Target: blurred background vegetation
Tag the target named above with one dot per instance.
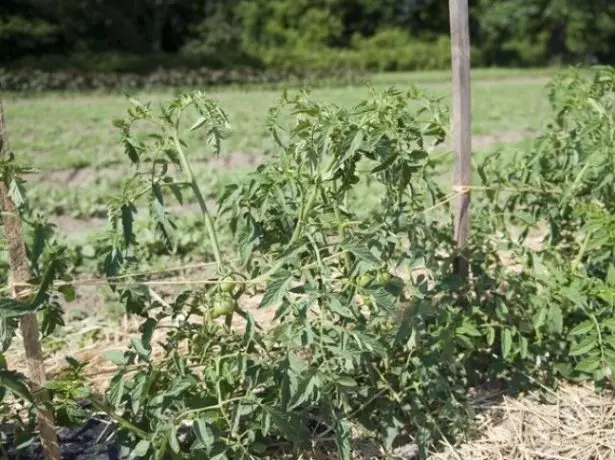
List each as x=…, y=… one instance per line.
x=145, y=37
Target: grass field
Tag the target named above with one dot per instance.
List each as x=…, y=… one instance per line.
x=73, y=130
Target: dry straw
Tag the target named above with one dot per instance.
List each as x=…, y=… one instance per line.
x=580, y=425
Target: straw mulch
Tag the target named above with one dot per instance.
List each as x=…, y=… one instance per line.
x=579, y=426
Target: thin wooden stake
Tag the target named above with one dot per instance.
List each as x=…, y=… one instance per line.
x=462, y=128
x=20, y=273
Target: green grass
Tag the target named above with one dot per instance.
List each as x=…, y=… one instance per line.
x=72, y=130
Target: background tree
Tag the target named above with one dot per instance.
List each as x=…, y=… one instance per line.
x=504, y=32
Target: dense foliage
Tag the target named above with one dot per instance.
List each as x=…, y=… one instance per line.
x=303, y=32
x=371, y=336
x=28, y=81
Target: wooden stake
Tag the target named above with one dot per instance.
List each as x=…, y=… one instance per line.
x=20, y=273
x=462, y=128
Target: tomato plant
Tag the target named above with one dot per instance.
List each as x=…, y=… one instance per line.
x=366, y=334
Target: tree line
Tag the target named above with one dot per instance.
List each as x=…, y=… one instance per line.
x=373, y=34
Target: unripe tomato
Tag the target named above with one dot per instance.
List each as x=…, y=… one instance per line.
x=223, y=305
x=364, y=280
x=383, y=277
x=227, y=284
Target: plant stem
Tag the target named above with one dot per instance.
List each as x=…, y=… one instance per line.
x=103, y=407
x=342, y=232
x=306, y=208
x=209, y=224
x=578, y=259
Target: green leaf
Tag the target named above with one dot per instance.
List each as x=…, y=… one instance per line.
x=608, y=324
x=585, y=346
x=582, y=329
x=276, y=290
x=68, y=292
x=565, y=369
x=143, y=350
x=386, y=163
x=248, y=335
x=179, y=385
x=116, y=390
x=127, y=221
x=17, y=192
x=136, y=102
x=15, y=383
x=200, y=122
x=45, y=284
x=164, y=226
x=173, y=442
x=8, y=326
x=335, y=306
x=347, y=382
x=610, y=276
x=10, y=308
x=291, y=426
x=468, y=329
x=131, y=150
x=540, y=317
x=588, y=365
x=384, y=300
x=555, y=319
x=609, y=339
x=361, y=252
x=575, y=296
x=506, y=343
x=115, y=356
x=148, y=328
x=305, y=389
x=203, y=433
x=342, y=436
x=490, y=335
x=523, y=347
x=141, y=449
x=395, y=286
x=247, y=239
x=598, y=108
x=266, y=424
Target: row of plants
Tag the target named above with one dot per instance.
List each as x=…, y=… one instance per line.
x=34, y=80
x=372, y=335
x=389, y=50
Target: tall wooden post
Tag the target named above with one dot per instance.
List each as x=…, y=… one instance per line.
x=20, y=273
x=462, y=128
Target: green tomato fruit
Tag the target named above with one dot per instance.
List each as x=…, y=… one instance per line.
x=223, y=305
x=227, y=284
x=383, y=278
x=364, y=280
